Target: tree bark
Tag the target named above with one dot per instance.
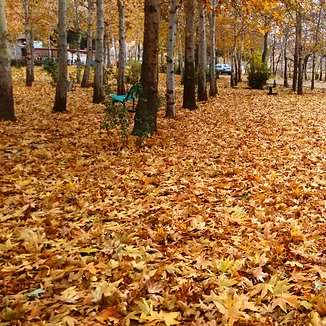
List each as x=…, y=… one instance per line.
x=180, y=57
x=122, y=49
x=85, y=80
x=98, y=95
x=212, y=73
x=28, y=45
x=234, y=73
x=285, y=75
x=300, y=59
x=202, y=83
x=189, y=92
x=170, y=91
x=148, y=104
x=265, y=50
x=7, y=111
x=296, y=54
x=78, y=31
x=60, y=102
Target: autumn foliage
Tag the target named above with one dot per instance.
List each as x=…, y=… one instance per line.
x=218, y=219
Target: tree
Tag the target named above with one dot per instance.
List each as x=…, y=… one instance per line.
x=85, y=80
x=78, y=31
x=122, y=49
x=98, y=95
x=202, y=89
x=147, y=106
x=29, y=46
x=212, y=28
x=189, y=96
x=7, y=111
x=170, y=91
x=60, y=102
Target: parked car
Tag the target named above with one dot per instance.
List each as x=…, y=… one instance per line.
x=223, y=68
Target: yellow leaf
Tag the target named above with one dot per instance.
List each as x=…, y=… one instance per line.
x=284, y=300
x=226, y=264
x=169, y=318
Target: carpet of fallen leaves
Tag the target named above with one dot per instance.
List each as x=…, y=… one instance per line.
x=218, y=219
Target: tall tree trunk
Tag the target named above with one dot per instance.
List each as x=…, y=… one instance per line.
x=265, y=50
x=296, y=54
x=7, y=111
x=122, y=49
x=28, y=47
x=98, y=95
x=239, y=59
x=316, y=42
x=170, y=91
x=106, y=53
x=148, y=104
x=321, y=68
x=85, y=80
x=202, y=83
x=77, y=29
x=189, y=92
x=234, y=73
x=285, y=75
x=300, y=59
x=60, y=102
x=180, y=57
x=212, y=71
x=32, y=54
x=312, y=86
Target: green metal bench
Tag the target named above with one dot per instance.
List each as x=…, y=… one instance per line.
x=132, y=95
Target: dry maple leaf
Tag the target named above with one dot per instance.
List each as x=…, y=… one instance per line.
x=169, y=318
x=259, y=274
x=284, y=301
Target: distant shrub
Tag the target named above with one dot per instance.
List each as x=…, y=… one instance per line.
x=51, y=68
x=258, y=75
x=133, y=74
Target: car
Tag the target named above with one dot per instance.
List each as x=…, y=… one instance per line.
x=223, y=68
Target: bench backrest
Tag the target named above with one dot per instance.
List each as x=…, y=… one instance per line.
x=134, y=92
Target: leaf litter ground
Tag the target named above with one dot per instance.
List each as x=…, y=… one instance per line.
x=218, y=219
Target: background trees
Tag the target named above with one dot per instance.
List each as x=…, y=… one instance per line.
x=286, y=36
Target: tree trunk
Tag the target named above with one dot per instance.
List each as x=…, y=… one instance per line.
x=77, y=29
x=312, y=86
x=321, y=68
x=239, y=60
x=28, y=47
x=180, y=58
x=85, y=80
x=106, y=53
x=189, y=92
x=7, y=111
x=212, y=71
x=265, y=50
x=296, y=54
x=202, y=88
x=60, y=102
x=32, y=54
x=122, y=49
x=285, y=75
x=300, y=65
x=148, y=104
x=98, y=95
x=234, y=80
x=170, y=91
